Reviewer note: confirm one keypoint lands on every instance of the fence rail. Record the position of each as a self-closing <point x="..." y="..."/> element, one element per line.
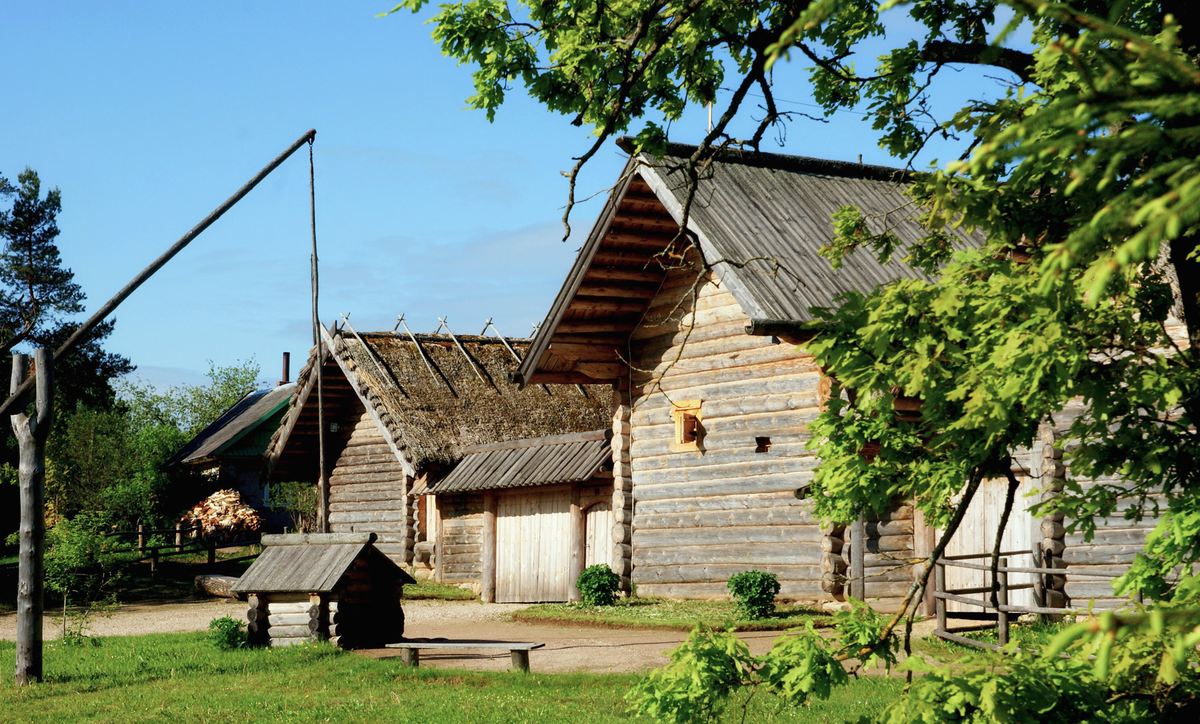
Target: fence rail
<point x="1001" y="610"/>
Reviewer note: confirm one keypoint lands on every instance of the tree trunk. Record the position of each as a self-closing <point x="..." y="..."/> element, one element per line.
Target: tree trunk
<point x="31" y="434"/>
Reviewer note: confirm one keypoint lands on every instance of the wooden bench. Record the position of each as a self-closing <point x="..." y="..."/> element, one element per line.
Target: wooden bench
<point x="410" y="649"/>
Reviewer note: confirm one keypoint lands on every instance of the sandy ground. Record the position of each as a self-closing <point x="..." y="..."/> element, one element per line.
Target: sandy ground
<point x="567" y="648"/>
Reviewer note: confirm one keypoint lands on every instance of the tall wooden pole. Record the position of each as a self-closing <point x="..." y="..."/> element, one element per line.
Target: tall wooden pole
<point x="31" y="435"/>
<point x="322" y="481"/>
<point x="84" y="331"/>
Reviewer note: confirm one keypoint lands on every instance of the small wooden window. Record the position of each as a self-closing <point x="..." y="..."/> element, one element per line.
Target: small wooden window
<point x="688" y="429"/>
<point x="762" y="444"/>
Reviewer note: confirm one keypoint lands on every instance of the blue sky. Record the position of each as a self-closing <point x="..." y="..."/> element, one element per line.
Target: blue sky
<point x="148" y="115"/>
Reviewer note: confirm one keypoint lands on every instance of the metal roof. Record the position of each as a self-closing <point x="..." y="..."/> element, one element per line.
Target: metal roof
<point x="760" y="219"/>
<point x="307" y="563"/>
<point x="521" y="463"/>
<point x="776" y="210"/>
<point x="237" y="422"/>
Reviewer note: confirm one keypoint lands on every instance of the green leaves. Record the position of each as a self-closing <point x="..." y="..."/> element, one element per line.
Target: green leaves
<point x="696" y="685"/>
<point x="710" y="665"/>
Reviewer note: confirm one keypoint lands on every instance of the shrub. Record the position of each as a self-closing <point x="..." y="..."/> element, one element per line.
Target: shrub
<point x="598" y="585"/>
<point x="227" y="633"/>
<point x="754" y="592"/>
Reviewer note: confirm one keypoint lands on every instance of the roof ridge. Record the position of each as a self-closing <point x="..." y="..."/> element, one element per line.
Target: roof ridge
<point x="428" y="337"/>
<point x="787" y="162"/>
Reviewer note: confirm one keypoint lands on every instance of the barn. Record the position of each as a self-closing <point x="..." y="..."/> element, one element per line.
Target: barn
<point x="714" y="395"/>
<point x="462" y="476"/>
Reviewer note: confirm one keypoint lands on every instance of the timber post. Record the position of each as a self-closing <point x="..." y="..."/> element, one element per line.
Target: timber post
<point x="1002" y="599"/>
<point x="577" y="545"/>
<point x="621" y="558"/>
<point x="858" y="552"/>
<point x="178" y="536"/>
<point x="141" y="535"/>
<point x="31" y="435"/>
<point x="487" y="592"/>
<point x="939" y="586"/>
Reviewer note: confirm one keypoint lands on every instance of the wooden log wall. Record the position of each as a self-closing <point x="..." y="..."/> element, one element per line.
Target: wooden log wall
<point x="364" y="610"/>
<point x="368" y="492"/>
<point x="292" y="618"/>
<point x="622" y="493"/>
<point x="702" y="515"/>
<point x="887" y="558"/>
<point x="1111" y="550"/>
<point x="460" y="539"/>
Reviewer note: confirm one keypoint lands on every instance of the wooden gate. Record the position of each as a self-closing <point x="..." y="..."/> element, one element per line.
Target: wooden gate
<point x="977" y="534"/>
<point x="598" y="533"/>
<point x="532" y="547"/>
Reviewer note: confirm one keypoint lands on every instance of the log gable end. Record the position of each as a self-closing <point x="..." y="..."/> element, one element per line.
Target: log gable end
<point x="719" y="506"/>
<point x="713" y="395"/>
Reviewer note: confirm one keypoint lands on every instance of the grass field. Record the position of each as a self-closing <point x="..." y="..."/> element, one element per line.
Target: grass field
<point x="653" y="613"/>
<point x="432" y="590"/>
<point x="182" y="678"/>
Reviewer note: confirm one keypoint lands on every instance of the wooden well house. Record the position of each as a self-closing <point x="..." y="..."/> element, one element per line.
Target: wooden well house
<point x="711" y="464"/>
<point x="336" y="586"/>
<point x="429" y="443"/>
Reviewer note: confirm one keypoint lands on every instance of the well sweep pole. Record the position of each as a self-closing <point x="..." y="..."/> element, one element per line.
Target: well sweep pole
<point x="86" y="328"/>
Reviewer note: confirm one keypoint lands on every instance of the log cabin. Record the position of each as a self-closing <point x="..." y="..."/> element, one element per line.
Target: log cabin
<point x="228" y="453"/>
<point x="462" y="476"/>
<point x="714" y="395"/>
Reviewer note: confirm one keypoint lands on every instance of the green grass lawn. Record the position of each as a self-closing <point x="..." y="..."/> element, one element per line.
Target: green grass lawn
<point x="182" y="678"/>
<point x="1033" y="635"/>
<point x="654" y="613"/>
<point x="432" y="590"/>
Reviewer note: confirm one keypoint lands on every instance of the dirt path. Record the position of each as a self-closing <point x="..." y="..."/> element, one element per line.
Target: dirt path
<point x="141" y="618"/>
<point x="568" y="648"/>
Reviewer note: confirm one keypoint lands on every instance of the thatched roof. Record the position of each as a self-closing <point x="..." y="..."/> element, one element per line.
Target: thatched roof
<point x="434" y="398"/>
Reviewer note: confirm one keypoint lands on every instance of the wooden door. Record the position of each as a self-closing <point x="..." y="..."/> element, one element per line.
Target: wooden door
<point x="977" y="534"/>
<point x="533" y="547"/>
<point x="598" y="534"/>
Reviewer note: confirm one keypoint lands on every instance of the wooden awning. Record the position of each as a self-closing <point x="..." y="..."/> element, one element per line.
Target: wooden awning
<point x="521" y="463"/>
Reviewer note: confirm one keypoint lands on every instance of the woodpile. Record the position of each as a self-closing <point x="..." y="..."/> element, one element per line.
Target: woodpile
<point x="223" y="513"/>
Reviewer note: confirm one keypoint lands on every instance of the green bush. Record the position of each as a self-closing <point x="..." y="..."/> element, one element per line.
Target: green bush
<point x="598" y="585"/>
<point x="754" y="592"/>
<point x="227" y="633"/>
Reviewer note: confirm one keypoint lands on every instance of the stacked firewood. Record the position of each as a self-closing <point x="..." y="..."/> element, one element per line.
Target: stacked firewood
<point x="223" y="512"/>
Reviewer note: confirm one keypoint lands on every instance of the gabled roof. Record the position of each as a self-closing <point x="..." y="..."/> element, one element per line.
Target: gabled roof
<point x="758" y="218"/>
<point x="521" y="463"/>
<point x="234" y="425"/>
<point x="310" y="563"/>
<point x="435" y="396"/>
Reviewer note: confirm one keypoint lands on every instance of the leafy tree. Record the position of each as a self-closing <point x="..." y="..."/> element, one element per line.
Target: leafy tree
<point x="36" y="287"/>
<point x="37" y="295"/>
<point x="1083" y="172"/>
<point x="191" y="408"/>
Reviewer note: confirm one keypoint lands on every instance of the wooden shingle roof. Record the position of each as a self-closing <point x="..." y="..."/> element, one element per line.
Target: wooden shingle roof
<point x="520" y="463"/>
<point x="308" y="562"/>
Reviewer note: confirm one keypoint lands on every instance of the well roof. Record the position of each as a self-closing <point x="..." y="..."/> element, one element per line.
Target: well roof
<point x="309" y="563"/>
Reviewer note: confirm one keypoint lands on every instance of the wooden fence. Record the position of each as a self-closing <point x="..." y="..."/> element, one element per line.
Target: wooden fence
<point x="180" y="546"/>
<point x="1002" y="612"/>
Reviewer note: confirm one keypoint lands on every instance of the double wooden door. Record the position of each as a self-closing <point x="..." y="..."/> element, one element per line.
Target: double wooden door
<point x="533" y="556"/>
<point x="977" y="534"/>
